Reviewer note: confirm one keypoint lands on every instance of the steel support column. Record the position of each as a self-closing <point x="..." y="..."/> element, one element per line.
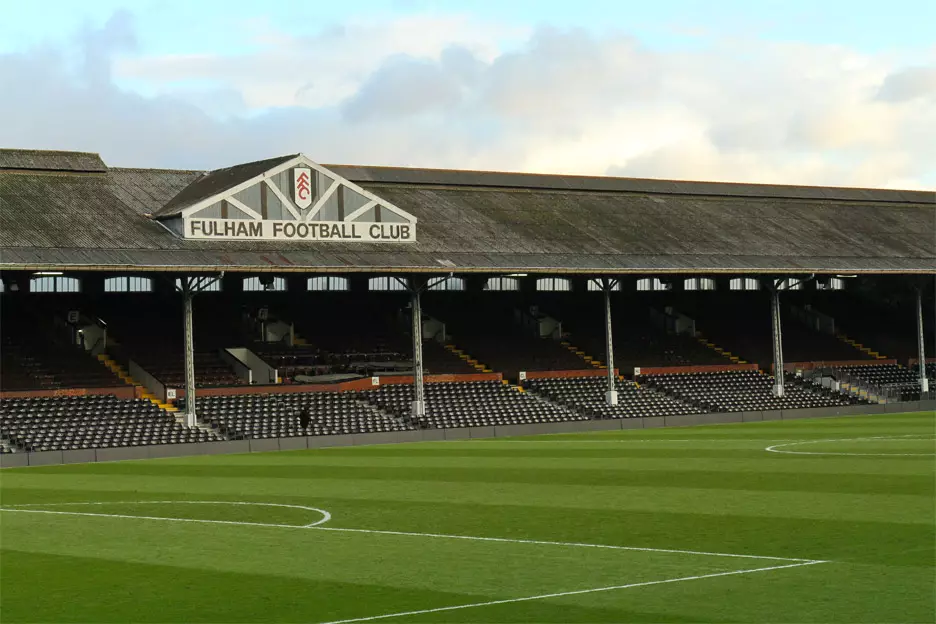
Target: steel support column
<point x="924" y="382"/>
<point x="777" y="340"/>
<point x="187" y="294"/>
<point x="419" y="400"/>
<point x="611" y="395"/>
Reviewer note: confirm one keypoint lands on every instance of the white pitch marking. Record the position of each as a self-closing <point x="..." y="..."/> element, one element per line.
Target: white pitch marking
<point x="325" y="515"/>
<point x="574" y="544"/>
<point x="570" y="593"/>
<point x="775" y="448"/>
<point x="575" y="441"/>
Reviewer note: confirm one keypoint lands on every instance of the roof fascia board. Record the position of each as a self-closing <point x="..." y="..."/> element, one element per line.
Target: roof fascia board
<point x="583" y="271"/>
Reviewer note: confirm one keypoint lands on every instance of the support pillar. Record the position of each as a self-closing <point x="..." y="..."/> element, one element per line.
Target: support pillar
<point x="419" y="400"/>
<point x="924" y="382"/>
<point x="190" y="419"/>
<point x="611" y="395"/>
<point x="777" y="340"/>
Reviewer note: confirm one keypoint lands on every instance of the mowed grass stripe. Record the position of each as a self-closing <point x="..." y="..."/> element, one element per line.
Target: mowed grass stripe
<point x="785" y="504"/>
<point x="880" y="539"/>
<point x="752" y="480"/>
<point x="766" y="462"/>
<point x="873" y="542"/>
<point x="48" y="581"/>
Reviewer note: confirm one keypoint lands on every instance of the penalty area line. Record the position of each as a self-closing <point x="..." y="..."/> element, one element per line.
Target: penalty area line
<point x="316" y="526"/>
<point x="571" y="544"/>
<point x="571" y="593"/>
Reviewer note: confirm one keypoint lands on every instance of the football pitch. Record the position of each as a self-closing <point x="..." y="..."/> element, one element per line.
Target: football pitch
<point x="827" y="520"/>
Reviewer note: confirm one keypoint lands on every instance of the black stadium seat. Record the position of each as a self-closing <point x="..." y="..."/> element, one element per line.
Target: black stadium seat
<point x="67" y="423"/>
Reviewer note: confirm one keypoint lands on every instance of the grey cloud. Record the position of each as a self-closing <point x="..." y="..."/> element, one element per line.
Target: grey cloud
<point x="909" y="84"/>
<point x="401" y="88"/>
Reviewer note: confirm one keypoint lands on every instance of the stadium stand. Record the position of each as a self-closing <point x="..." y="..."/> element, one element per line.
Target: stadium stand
<point x="881" y="374"/>
<point x="740" y="323"/>
<point x="67" y="423"/>
<point x="345" y="333"/>
<point x="149" y="333"/>
<point x="486" y="329"/>
<point x="585" y="395"/>
<point x="470" y="404"/>
<point x="35" y="354"/>
<point x="638" y="340"/>
<point x="277" y="415"/>
<point x="739" y="391"/>
<point x="874" y="326"/>
<point x="68" y="217"/>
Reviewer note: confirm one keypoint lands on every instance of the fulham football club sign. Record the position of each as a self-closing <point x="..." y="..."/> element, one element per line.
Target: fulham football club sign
<point x="302" y="187"/>
<point x="297" y="201"/>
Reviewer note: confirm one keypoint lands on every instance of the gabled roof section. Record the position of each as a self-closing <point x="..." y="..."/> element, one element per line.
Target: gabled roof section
<point x="217" y="182"/>
<point x="226" y="184"/>
<point x="41" y="160"/>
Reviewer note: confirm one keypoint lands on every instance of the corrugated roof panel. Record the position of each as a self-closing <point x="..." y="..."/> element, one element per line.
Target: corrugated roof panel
<point x="90" y="220"/>
<point x="42" y="160"/>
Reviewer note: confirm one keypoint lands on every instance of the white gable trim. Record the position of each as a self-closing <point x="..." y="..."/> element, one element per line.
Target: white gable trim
<point x="317" y="206"/>
<point x="300" y="160"/>
<point x="247" y="210"/>
<point x="282" y="197"/>
<point x="357" y="213"/>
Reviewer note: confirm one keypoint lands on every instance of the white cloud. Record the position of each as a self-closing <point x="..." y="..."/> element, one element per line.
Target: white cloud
<point x="440" y="91"/>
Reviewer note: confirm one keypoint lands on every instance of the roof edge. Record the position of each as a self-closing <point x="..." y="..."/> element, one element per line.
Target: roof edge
<point x="544" y="181"/>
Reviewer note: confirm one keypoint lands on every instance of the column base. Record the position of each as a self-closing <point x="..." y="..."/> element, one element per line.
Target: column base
<point x="418" y="408"/>
<point x="611" y="397"/>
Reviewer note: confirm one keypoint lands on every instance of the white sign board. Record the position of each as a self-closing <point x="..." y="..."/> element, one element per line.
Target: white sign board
<point x="170" y="394"/>
<point x="375" y="381"/>
<point x="522" y="375"/>
<point x="283" y="230"/>
<point x="637" y="371"/>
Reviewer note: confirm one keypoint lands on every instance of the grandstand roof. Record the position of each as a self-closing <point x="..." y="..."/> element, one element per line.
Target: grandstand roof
<point x="66" y="210"/>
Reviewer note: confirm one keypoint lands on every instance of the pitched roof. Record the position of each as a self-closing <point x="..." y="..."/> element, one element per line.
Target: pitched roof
<point x="99" y="222"/>
<point x="41" y="160"/>
<point x="218" y="181"/>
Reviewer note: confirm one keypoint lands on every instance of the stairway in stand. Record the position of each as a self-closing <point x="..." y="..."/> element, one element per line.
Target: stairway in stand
<point x="705" y="342"/>
<point x="591" y="361"/>
<point x="124" y="376"/>
<point x="860" y="347"/>
<point x="473" y="362"/>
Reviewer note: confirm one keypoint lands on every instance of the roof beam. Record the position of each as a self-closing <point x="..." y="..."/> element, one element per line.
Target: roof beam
<point x="357" y="213"/>
<point x="314" y="210"/>
<point x="282" y="197"/>
<point x="244" y="208"/>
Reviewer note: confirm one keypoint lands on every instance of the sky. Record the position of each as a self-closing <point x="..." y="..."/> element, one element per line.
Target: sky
<point x="795" y="92"/>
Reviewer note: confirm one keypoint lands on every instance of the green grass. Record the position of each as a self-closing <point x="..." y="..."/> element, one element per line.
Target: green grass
<point x="863" y="507"/>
